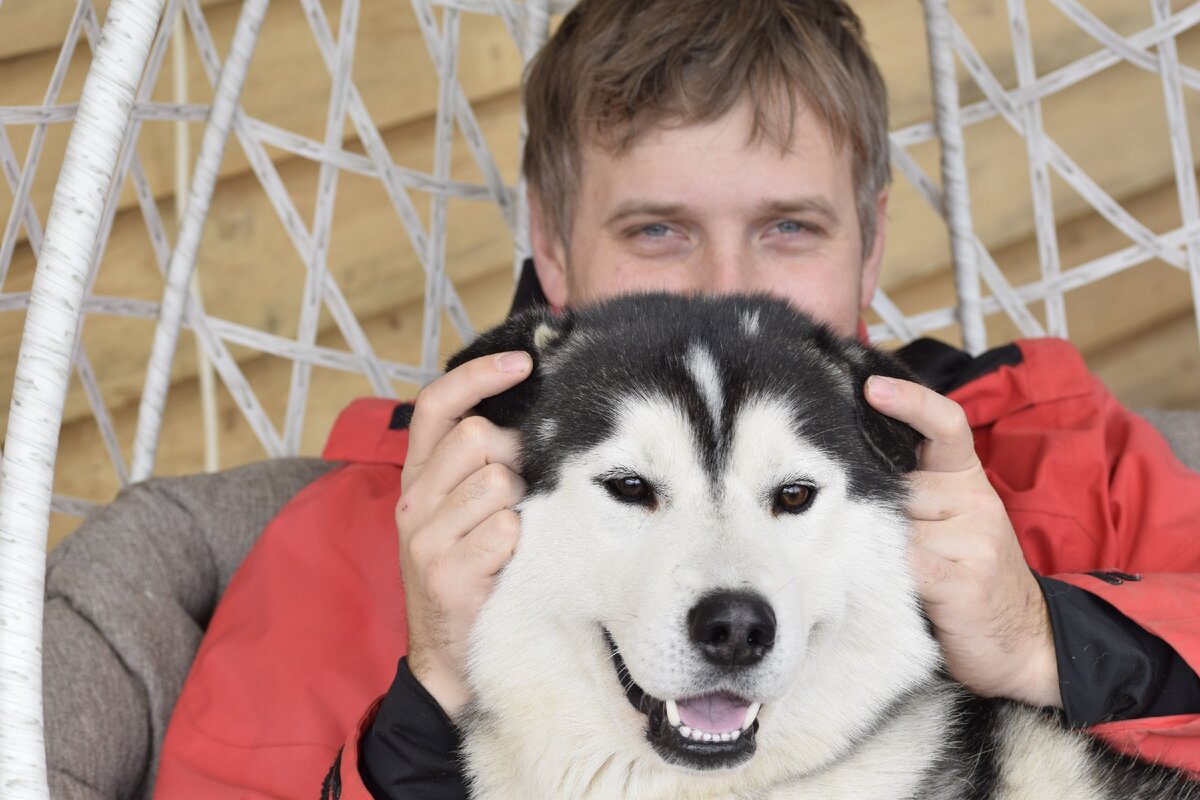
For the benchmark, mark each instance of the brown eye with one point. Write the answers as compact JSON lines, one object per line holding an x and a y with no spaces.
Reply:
{"x":793,"y":498}
{"x":630,"y":489}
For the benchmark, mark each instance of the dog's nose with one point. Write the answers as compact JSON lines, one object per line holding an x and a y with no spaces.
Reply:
{"x":732,"y":629}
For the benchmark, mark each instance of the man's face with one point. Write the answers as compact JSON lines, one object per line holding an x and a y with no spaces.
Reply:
{"x":702,"y":209}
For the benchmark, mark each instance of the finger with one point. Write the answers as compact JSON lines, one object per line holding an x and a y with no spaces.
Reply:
{"x":930,"y":498}
{"x":489,"y":545}
{"x":469,"y":447}
{"x":493,"y":488}
{"x":946,"y":542}
{"x":443,"y":403}
{"x":489,"y":490}
{"x":938,"y":579}
{"x":949,"y":444}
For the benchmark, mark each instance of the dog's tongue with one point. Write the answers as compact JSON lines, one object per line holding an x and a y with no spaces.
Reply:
{"x":714,"y":713}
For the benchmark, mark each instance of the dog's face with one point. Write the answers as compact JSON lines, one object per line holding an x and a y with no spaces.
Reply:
{"x":711,"y":571}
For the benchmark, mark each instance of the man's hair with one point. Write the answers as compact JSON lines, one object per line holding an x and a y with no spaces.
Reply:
{"x":616,"y":68}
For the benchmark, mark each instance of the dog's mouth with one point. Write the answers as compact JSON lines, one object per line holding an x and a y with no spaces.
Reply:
{"x":709,"y":731}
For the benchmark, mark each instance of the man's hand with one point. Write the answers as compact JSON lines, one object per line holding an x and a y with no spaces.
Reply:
{"x":455,"y":518}
{"x":987,"y":610}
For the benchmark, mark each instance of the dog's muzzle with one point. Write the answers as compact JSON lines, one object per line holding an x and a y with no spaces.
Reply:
{"x":710,"y":731}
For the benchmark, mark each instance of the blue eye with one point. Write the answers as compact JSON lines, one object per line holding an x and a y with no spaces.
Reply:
{"x":790,"y":226}
{"x":656,"y":230}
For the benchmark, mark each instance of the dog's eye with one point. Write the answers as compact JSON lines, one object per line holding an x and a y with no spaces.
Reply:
{"x":630,"y":489}
{"x":793,"y":498}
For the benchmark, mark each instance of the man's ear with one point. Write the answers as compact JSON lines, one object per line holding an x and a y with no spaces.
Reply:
{"x":537,"y":331}
{"x":896,"y":443}
{"x":873,"y":257}
{"x":549,"y":252}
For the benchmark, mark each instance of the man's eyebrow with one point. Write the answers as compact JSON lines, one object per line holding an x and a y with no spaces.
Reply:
{"x":644,"y":208}
{"x":801,"y":205}
{"x":781,"y":207}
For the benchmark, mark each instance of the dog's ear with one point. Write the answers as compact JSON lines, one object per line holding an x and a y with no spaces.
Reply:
{"x":537,"y":332}
{"x":896,"y":443}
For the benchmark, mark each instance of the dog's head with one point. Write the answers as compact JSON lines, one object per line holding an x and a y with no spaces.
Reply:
{"x":712,"y":553}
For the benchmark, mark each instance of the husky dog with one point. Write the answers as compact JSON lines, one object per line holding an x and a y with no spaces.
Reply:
{"x":710,"y":597}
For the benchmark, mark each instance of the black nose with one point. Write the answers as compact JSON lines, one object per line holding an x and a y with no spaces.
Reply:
{"x":732,"y":629}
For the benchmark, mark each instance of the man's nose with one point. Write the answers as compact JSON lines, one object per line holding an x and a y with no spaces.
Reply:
{"x":727,"y":270}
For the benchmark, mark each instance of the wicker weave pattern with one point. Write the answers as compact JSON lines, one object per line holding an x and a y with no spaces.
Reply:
{"x":1153,"y":50}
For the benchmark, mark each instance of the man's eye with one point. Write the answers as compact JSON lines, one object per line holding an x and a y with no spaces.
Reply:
{"x":791,"y":227}
{"x":655,"y":231}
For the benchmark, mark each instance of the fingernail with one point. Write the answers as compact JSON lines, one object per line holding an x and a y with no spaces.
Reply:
{"x":881,"y":388}
{"x":514,"y":362}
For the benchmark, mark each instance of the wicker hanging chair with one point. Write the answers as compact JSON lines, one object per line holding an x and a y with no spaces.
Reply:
{"x":102,"y":158}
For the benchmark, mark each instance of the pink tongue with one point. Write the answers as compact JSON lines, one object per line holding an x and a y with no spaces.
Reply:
{"x":713,"y":713}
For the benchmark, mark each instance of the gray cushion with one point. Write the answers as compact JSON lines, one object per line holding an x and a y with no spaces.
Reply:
{"x":127,"y":598}
{"x":1181,"y":429}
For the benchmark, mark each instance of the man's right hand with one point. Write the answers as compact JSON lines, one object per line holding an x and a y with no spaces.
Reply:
{"x":455,"y":517}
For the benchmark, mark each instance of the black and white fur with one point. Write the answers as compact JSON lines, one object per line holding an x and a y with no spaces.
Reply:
{"x":663,"y":439}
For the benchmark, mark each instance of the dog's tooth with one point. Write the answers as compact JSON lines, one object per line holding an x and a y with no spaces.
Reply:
{"x":673,"y":714}
{"x":697,"y":736}
{"x":735,"y":735}
{"x":708,"y":737}
{"x":751,"y":714}
{"x":685,"y":731}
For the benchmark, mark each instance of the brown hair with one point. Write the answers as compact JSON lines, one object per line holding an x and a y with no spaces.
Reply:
{"x":616,"y":68}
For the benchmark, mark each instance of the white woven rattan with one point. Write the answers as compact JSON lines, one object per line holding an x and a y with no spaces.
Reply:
{"x":1152,"y":49}
{"x":102,"y":158}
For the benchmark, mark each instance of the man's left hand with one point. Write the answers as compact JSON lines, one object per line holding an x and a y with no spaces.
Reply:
{"x":987,"y":609}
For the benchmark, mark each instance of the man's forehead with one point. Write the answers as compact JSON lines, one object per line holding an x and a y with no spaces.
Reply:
{"x":663,"y":164}
{"x":796,"y":130}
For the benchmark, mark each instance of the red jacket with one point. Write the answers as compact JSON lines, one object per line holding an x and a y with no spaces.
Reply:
{"x":308,"y":634}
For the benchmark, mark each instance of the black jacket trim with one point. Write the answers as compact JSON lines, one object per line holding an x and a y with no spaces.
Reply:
{"x":401,"y":416}
{"x":331,"y":788}
{"x":411,"y":749}
{"x":1109,"y":667}
{"x":944,"y":368}
{"x":529,"y":292}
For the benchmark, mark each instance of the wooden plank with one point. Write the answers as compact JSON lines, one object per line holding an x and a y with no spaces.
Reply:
{"x":30,"y":26}
{"x":84,"y":470}
{"x":287,"y":86}
{"x":1133,"y":124}
{"x":1100,"y":316}
{"x":896,"y":34}
{"x":251,"y":274}
{"x":1160,"y":368}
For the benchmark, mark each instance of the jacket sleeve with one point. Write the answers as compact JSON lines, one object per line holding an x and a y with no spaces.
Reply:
{"x":405,"y":748}
{"x":1109,"y":667}
{"x":1099,"y":502}
{"x":1149,"y":571}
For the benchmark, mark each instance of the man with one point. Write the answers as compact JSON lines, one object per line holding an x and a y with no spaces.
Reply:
{"x":709,"y":146}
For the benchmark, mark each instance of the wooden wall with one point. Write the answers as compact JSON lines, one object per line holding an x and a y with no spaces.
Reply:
{"x":1136,"y":330}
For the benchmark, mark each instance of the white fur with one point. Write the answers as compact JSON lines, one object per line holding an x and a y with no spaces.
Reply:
{"x":749,"y":323}
{"x":703,"y":369}
{"x":586,"y":560}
